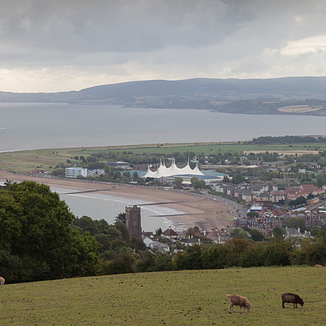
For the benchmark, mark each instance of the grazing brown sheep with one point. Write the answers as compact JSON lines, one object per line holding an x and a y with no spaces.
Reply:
{"x":2,"y":281}
{"x":238,"y":300}
{"x":291,"y":298}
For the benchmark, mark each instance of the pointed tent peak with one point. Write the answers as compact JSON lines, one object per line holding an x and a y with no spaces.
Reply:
{"x":196,"y":170}
{"x":149,"y":166}
{"x":150,"y":174}
{"x":173,"y":162}
{"x":172,"y":170}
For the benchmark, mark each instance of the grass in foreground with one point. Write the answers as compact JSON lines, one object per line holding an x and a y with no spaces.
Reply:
{"x":168,"y":298}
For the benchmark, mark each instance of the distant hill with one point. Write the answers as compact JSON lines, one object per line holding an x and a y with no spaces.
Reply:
{"x":290,"y":95}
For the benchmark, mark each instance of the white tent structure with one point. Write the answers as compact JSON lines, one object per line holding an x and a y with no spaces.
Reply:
{"x":163,"y":171}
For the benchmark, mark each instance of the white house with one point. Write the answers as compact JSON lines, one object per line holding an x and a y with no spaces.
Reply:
{"x":75,"y":172}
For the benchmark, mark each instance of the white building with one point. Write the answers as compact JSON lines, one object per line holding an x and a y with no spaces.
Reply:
{"x":163,"y":171}
{"x":75,"y":172}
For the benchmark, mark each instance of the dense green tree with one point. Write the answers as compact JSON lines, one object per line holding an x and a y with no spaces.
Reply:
{"x":158,"y":232}
{"x":253,"y":257}
{"x":216,"y":256}
{"x":117,"y":244}
{"x":296,"y":222}
{"x":256,"y":235}
{"x":101,"y":225}
{"x":298,"y":202}
{"x":238,"y":178}
{"x":163,"y":262}
{"x":126,"y":177}
{"x":135,"y":176}
{"x":58,"y":172}
{"x":314,"y":231}
{"x":239,"y":234}
{"x":197,"y":184}
{"x":138,"y":244}
{"x":11,"y":266}
{"x":104,"y":241}
{"x":310,"y":196}
{"x":113,"y":233}
{"x":237,"y":247}
{"x":311,"y":253}
{"x":121,"y":217}
{"x":153,"y":262}
{"x":190,"y":258}
{"x":146,"y":263}
{"x":253,"y":214}
{"x":120,"y":265}
{"x":91,"y":158}
{"x":314,"y":252}
{"x":85,"y":223}
{"x":178,"y":183}
{"x":36,"y":227}
{"x":278,"y":232}
{"x":279,"y":252}
{"x":120,"y":226}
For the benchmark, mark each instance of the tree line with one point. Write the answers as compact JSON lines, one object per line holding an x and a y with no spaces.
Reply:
{"x":41,"y":239}
{"x":265,"y":140}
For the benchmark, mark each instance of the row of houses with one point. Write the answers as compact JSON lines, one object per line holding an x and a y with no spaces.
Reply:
{"x":171,"y":241}
{"x":268,"y":217}
{"x":266,"y":192}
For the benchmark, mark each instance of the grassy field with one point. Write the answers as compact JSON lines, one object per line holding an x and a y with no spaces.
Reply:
{"x":47,"y":159}
{"x":169,"y":298}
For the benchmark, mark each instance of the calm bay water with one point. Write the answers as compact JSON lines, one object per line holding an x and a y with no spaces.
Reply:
{"x":106,"y":207}
{"x":34,"y":126}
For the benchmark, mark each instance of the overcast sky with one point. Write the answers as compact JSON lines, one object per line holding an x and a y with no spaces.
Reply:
{"x":62,"y":45}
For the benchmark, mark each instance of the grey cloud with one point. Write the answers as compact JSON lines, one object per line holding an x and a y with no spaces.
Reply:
{"x":119,"y":25}
{"x":144,"y":38}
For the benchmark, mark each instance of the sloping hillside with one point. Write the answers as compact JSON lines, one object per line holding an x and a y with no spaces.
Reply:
{"x":169,"y":298}
{"x":256,"y":96}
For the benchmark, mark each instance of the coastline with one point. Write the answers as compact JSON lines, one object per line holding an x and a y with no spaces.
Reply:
{"x":105,"y":206}
{"x":198,"y":210}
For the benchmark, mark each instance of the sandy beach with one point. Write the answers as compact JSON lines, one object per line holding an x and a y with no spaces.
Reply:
{"x":206,"y":213}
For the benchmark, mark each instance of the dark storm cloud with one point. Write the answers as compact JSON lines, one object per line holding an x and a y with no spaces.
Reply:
{"x":173,"y":39}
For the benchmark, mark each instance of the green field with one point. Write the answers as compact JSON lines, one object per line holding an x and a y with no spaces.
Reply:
{"x":169,"y":298}
{"x":47,"y":159}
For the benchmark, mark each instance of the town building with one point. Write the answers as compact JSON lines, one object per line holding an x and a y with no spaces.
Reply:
{"x":75,"y":172}
{"x":163,"y":171}
{"x":303,"y":190}
{"x":133,"y":222}
{"x":170,"y":234}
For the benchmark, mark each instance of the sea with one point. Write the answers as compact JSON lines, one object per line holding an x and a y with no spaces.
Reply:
{"x":106,"y":207}
{"x":25,"y":126}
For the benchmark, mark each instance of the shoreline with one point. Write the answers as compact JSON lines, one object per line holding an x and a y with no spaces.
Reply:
{"x":105,"y":206}
{"x":199,"y":210}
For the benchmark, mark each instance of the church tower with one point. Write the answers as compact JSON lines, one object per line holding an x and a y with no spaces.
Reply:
{"x":133,"y":221}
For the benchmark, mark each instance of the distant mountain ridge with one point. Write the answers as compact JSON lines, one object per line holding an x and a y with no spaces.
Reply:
{"x":288,"y":95}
